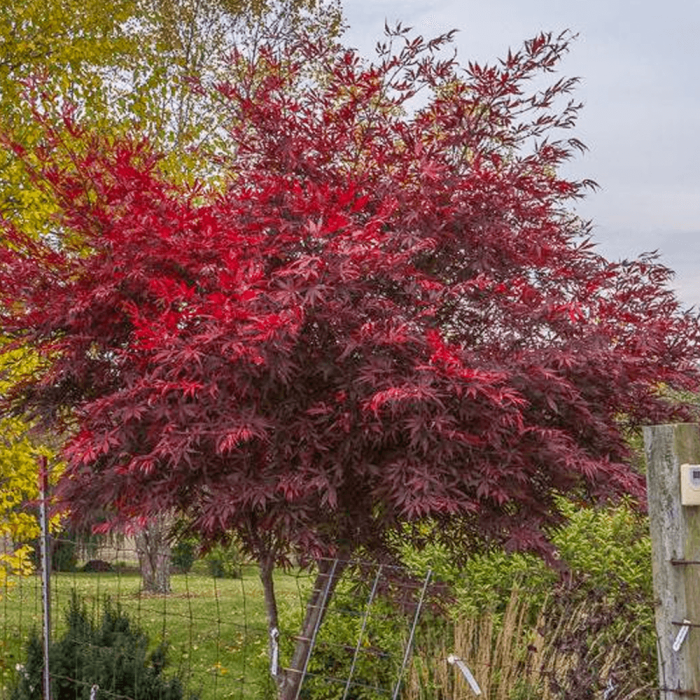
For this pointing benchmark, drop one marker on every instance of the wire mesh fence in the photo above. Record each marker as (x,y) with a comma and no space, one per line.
(207,635)
(386,634)
(211,627)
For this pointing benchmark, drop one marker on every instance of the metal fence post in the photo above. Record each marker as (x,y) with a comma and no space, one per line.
(45,570)
(409,644)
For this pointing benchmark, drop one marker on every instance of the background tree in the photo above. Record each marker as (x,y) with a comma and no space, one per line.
(132,65)
(19,484)
(387,315)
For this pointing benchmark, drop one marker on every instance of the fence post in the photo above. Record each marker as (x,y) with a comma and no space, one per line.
(675,536)
(45,570)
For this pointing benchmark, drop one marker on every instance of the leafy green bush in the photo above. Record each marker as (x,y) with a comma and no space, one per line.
(603,548)
(482,581)
(64,555)
(110,652)
(225,561)
(607,546)
(183,554)
(63,552)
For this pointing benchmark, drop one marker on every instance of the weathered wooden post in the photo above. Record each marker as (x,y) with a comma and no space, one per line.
(675,535)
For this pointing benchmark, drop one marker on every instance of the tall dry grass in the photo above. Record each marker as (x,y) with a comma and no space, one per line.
(574,647)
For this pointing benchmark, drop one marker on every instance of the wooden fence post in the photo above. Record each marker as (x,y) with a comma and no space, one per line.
(675,535)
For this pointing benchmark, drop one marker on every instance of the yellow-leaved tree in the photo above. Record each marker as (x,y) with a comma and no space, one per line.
(20,457)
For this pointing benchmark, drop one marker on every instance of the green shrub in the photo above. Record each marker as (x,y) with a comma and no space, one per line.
(225,561)
(183,554)
(64,555)
(607,546)
(602,548)
(110,652)
(63,552)
(481,581)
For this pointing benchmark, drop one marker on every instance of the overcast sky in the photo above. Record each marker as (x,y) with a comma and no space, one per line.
(639,64)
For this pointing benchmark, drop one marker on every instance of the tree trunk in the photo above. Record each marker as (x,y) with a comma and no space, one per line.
(267,567)
(153,547)
(329,573)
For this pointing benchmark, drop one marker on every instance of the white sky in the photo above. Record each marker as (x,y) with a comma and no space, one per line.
(639,64)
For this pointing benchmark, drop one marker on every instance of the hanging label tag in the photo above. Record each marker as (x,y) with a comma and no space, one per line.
(275,652)
(682,634)
(456,661)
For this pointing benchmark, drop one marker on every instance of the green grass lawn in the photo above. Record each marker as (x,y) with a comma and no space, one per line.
(215,628)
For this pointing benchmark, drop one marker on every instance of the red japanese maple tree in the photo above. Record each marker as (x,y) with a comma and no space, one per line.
(388,314)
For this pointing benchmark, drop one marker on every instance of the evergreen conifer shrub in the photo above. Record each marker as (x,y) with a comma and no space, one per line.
(106,651)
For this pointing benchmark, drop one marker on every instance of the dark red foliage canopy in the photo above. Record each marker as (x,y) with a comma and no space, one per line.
(389,313)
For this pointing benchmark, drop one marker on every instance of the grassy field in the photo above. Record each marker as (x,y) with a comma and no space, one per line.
(215,628)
